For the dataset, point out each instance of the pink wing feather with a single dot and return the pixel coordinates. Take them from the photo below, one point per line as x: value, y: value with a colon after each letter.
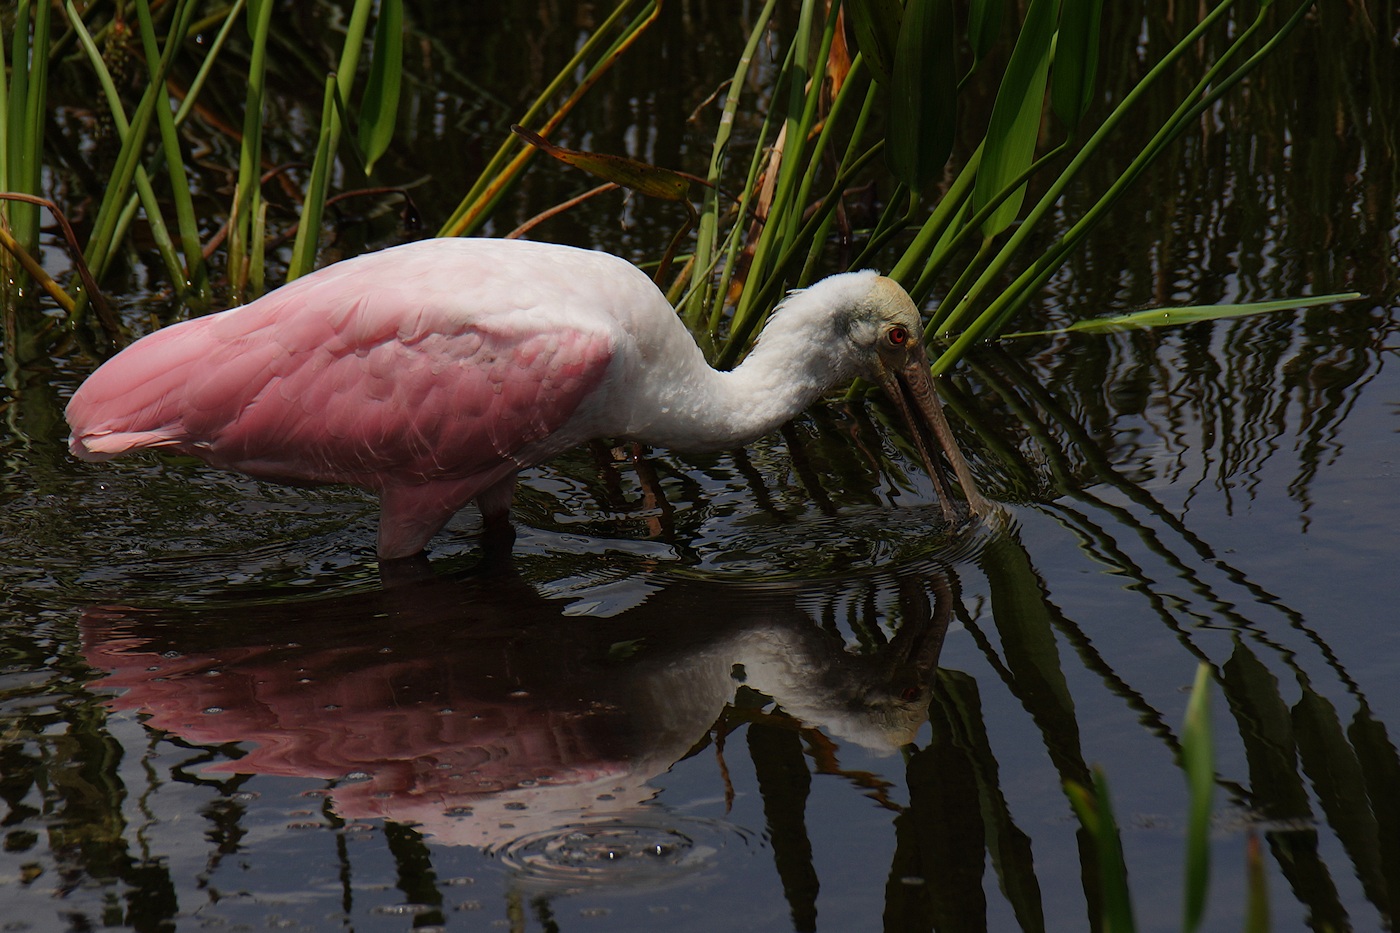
x: 429, y: 374
x: 308, y: 387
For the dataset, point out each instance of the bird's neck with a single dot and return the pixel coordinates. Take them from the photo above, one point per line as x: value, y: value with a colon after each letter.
x: 710, y: 410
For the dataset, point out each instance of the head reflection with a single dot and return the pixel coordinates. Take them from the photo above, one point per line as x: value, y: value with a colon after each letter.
x: 479, y: 712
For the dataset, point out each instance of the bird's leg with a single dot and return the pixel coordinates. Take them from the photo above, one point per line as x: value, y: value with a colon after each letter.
x: 497, y: 531
x: 607, y: 459
x: 409, y: 515
x: 660, y: 515
x: 405, y: 571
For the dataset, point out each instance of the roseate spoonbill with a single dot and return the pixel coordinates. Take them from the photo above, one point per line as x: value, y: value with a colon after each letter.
x: 432, y: 373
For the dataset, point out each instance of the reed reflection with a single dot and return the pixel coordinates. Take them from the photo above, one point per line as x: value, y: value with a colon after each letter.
x: 483, y: 714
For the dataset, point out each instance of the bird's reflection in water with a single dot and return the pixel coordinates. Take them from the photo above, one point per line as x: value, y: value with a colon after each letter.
x: 477, y: 711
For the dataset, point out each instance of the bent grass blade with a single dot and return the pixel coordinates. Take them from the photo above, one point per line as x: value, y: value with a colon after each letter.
x: 1172, y: 317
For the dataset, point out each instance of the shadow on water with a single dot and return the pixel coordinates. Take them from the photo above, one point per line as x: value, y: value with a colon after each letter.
x: 472, y: 711
x: 480, y: 712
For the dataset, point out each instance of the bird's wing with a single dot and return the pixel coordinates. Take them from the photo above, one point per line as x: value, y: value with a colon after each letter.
x: 352, y: 393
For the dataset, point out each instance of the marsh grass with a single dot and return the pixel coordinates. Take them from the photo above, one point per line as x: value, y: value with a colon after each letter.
x: 1094, y: 808
x: 864, y: 95
x: 943, y: 208
x: 865, y: 90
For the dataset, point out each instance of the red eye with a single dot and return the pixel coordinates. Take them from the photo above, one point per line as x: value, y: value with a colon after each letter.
x: 897, y: 335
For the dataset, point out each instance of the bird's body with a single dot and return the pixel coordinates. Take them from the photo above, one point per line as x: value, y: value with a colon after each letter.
x: 432, y: 373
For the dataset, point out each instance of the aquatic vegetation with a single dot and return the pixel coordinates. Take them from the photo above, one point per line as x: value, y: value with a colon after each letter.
x: 860, y: 88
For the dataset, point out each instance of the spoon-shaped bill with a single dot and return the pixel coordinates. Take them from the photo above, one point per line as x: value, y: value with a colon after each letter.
x: 912, y: 391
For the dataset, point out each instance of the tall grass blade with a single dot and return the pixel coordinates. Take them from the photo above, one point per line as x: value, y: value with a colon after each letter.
x: 309, y: 225
x: 1256, y: 905
x: 1076, y: 59
x: 1198, y: 759
x: 5, y: 110
x: 27, y: 111
x: 1215, y: 82
x: 1172, y: 317
x: 1014, y: 126
x: 211, y: 57
x: 876, y: 24
x: 197, y: 281
x: 338, y: 84
x: 707, y: 240
x: 923, y: 95
x: 983, y: 26
x: 248, y: 192
x: 379, y: 107
x: 510, y: 159
x: 117, y: 208
x: 1095, y: 812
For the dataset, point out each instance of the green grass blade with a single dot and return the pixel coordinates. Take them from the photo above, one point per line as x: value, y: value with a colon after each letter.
x: 338, y: 83
x: 1095, y: 812
x: 196, y: 279
x: 1198, y: 759
x: 117, y: 208
x: 257, y: 268
x: 811, y: 238
x: 954, y: 238
x: 876, y: 24
x: 1214, y: 83
x: 1076, y: 59
x: 805, y: 100
x: 512, y: 155
x: 983, y: 25
x: 916, y: 258
x: 735, y: 241
x: 248, y: 192
x: 1256, y: 905
x: 923, y: 95
x: 5, y: 125
x: 780, y: 226
x: 1014, y: 126
x: 309, y: 227
x: 27, y: 112
x: 211, y: 57
x: 1172, y: 317
x: 707, y: 232
x: 379, y: 107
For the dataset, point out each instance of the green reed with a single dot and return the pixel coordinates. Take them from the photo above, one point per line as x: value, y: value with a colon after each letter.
x: 907, y: 72
x: 863, y: 88
x: 1094, y: 809
x: 22, y: 107
x: 148, y: 179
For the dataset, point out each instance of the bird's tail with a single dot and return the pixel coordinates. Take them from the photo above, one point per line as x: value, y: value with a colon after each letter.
x: 98, y: 446
x: 133, y: 400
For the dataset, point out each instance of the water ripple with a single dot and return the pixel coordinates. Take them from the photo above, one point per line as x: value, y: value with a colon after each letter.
x: 640, y: 850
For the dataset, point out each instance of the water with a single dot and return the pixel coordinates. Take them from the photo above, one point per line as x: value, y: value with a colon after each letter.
x: 765, y: 689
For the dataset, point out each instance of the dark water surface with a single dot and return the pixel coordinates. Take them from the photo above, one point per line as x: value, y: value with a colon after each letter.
x: 764, y: 690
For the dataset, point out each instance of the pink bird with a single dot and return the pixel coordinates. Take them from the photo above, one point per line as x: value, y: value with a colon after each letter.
x: 432, y: 373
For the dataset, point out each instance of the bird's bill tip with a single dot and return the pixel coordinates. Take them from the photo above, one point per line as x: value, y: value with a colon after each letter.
x: 913, y: 392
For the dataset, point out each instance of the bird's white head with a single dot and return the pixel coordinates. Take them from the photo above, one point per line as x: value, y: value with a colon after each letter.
x: 853, y: 324
x: 863, y: 324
